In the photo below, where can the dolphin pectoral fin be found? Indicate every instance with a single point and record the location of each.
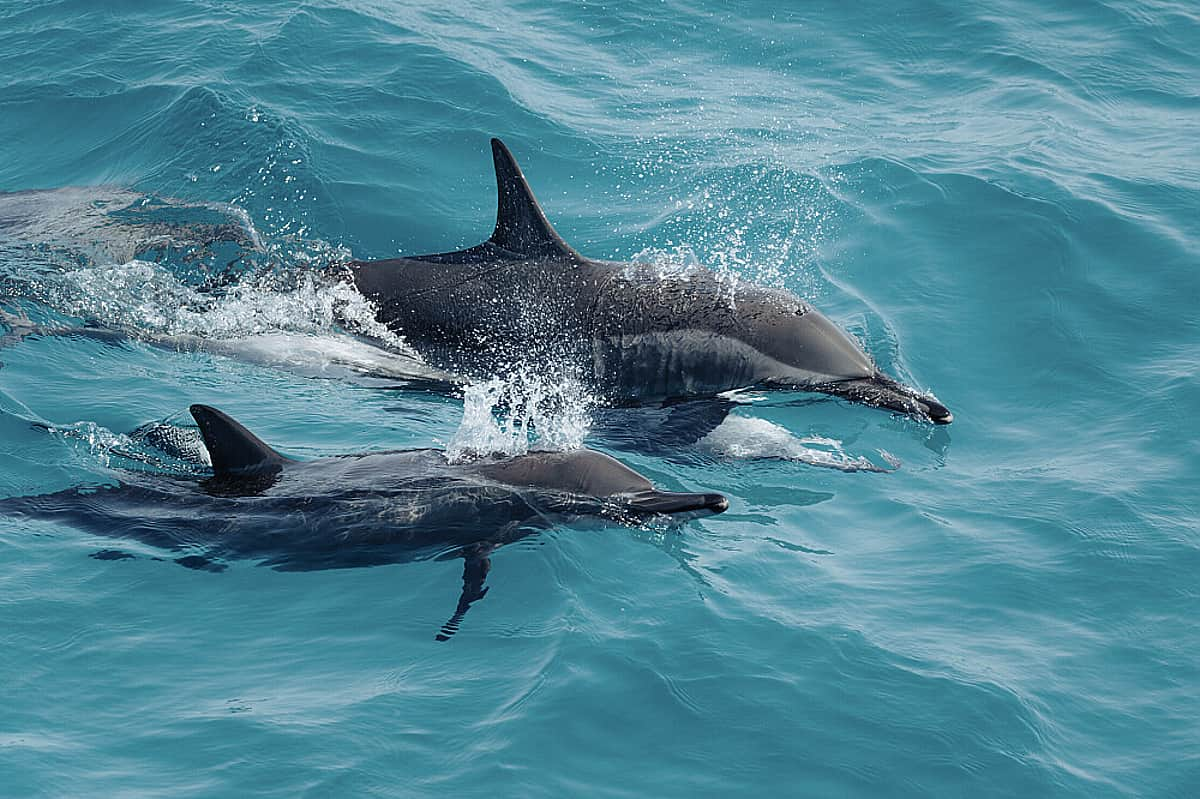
(201, 563)
(477, 562)
(112, 554)
(688, 422)
(663, 430)
(882, 391)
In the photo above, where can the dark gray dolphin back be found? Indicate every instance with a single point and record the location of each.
(579, 472)
(594, 474)
(232, 448)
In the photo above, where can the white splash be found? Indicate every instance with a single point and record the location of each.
(146, 296)
(97, 442)
(184, 451)
(748, 437)
(520, 412)
(298, 321)
(682, 264)
(675, 263)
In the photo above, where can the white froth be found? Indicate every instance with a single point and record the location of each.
(512, 415)
(298, 322)
(748, 437)
(146, 296)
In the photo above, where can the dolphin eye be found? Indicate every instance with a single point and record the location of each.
(801, 310)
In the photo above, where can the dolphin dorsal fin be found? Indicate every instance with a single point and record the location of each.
(521, 226)
(232, 448)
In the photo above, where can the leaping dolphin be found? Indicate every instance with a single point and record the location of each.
(356, 510)
(636, 335)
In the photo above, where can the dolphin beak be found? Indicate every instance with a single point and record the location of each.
(881, 391)
(936, 411)
(669, 502)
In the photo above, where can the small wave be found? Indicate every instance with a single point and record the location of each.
(744, 437)
(77, 225)
(160, 445)
(145, 263)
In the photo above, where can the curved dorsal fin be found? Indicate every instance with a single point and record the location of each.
(521, 226)
(232, 448)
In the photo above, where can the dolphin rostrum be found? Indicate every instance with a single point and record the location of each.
(635, 334)
(356, 510)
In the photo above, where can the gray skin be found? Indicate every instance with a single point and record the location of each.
(356, 510)
(638, 336)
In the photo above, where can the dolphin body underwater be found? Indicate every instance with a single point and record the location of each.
(356, 510)
(635, 335)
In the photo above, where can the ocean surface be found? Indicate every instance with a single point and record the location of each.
(1001, 200)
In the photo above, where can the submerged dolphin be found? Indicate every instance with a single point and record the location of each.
(635, 334)
(333, 355)
(356, 510)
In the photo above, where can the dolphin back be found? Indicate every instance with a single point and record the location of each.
(594, 474)
(583, 471)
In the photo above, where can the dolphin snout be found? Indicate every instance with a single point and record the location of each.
(936, 411)
(717, 503)
(882, 391)
(671, 502)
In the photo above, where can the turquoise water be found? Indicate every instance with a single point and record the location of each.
(1002, 201)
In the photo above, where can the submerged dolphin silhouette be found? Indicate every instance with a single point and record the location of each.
(356, 510)
(636, 334)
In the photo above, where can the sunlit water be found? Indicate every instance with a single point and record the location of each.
(1002, 201)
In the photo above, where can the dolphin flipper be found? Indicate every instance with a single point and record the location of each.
(477, 562)
(664, 430)
(201, 563)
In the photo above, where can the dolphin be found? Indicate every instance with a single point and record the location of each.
(76, 225)
(331, 355)
(356, 510)
(637, 336)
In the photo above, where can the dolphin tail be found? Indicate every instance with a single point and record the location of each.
(881, 391)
